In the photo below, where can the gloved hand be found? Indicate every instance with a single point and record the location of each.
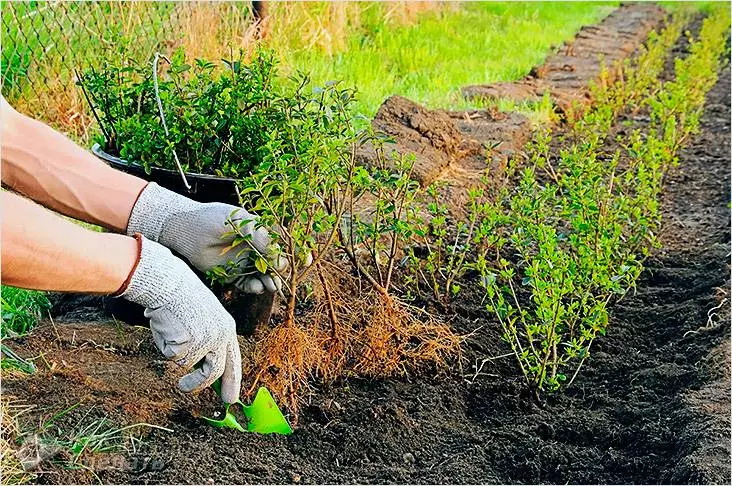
(195, 231)
(187, 322)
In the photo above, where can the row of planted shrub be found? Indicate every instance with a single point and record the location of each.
(573, 234)
(552, 245)
(563, 237)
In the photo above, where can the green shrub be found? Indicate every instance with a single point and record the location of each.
(448, 241)
(305, 179)
(381, 232)
(218, 114)
(574, 239)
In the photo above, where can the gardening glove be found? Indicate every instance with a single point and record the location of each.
(196, 231)
(187, 322)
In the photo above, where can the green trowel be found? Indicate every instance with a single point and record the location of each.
(263, 415)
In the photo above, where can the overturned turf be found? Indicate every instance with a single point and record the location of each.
(566, 75)
(456, 148)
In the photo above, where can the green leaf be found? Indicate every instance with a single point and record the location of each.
(261, 264)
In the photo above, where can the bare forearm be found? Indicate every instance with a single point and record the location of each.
(51, 169)
(42, 251)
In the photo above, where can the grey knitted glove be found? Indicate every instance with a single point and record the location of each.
(195, 231)
(187, 322)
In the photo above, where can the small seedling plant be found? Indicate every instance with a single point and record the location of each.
(304, 181)
(447, 241)
(381, 215)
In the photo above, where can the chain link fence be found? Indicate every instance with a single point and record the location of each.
(44, 42)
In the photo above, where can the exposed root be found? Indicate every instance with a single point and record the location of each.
(346, 333)
(393, 341)
(284, 361)
(712, 323)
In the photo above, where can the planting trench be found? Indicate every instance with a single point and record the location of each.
(652, 405)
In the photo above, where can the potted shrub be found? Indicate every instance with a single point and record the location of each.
(198, 128)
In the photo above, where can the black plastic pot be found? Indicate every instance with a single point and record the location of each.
(249, 311)
(204, 187)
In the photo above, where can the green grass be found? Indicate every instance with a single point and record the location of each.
(430, 61)
(81, 442)
(427, 61)
(706, 8)
(21, 309)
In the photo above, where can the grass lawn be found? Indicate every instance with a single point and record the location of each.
(428, 62)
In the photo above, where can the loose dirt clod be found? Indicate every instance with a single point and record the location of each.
(430, 135)
(505, 133)
(454, 147)
(502, 135)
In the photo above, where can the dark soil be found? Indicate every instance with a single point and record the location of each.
(651, 406)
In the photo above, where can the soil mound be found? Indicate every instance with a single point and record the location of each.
(454, 147)
(430, 135)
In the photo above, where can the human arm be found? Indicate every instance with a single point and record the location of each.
(40, 250)
(51, 169)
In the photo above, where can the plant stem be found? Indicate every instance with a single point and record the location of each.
(329, 299)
